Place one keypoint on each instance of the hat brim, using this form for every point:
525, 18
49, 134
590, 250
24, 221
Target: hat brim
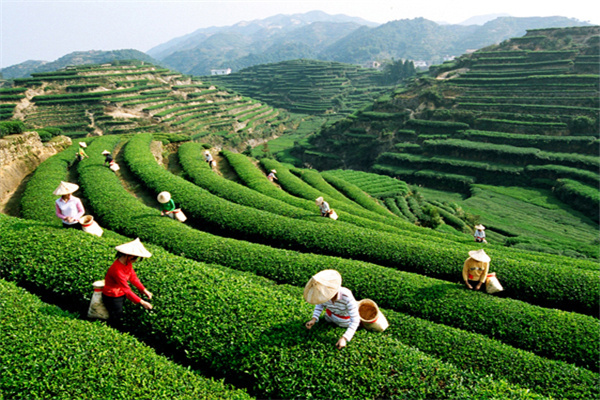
322, 287
134, 248
479, 255
65, 188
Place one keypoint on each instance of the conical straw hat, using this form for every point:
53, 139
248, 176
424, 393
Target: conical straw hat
479, 255
163, 197
65, 188
322, 286
134, 248
479, 227
273, 171
105, 152
319, 201
83, 144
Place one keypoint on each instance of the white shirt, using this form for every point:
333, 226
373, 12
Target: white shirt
345, 305
324, 207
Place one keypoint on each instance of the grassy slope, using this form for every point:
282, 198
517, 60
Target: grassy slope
533, 215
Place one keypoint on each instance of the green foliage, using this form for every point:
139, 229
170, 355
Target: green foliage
11, 128
260, 324
48, 353
580, 196
307, 86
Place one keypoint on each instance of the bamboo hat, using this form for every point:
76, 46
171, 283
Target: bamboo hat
82, 144
134, 248
319, 201
479, 227
65, 188
105, 152
479, 255
163, 197
273, 171
322, 286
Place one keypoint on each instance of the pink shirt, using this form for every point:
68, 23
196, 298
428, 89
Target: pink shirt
70, 208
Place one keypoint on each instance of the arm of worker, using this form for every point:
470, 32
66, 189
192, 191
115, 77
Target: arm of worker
465, 274
80, 209
315, 318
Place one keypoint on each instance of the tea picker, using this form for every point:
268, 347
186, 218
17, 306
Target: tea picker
479, 234
476, 272
68, 207
209, 159
325, 210
116, 282
476, 268
167, 207
108, 159
81, 154
325, 291
272, 176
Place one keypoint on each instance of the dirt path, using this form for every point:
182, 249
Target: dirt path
130, 182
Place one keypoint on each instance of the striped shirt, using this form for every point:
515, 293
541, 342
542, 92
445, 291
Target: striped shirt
345, 305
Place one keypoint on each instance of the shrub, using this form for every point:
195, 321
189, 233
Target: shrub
49, 353
249, 325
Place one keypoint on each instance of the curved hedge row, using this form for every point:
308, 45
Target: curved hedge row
355, 193
297, 187
199, 172
503, 319
581, 197
536, 283
251, 330
37, 195
49, 353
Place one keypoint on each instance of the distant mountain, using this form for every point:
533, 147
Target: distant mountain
421, 39
482, 19
24, 69
258, 30
21, 70
339, 38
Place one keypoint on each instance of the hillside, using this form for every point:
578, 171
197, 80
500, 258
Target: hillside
343, 40
126, 97
307, 86
25, 69
524, 112
506, 132
239, 264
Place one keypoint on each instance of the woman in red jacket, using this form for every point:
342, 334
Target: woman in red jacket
116, 283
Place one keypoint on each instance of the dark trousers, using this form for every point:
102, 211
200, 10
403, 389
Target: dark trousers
475, 283
114, 305
76, 225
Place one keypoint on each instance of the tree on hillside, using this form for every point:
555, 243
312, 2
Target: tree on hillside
398, 70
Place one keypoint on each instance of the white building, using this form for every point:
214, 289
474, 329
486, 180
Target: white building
220, 71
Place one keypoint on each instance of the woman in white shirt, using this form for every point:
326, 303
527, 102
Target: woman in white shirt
323, 206
68, 207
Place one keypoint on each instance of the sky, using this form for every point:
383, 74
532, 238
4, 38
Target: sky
49, 29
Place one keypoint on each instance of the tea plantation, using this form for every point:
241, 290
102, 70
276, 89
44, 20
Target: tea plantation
228, 317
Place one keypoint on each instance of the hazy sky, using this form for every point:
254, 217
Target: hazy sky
48, 29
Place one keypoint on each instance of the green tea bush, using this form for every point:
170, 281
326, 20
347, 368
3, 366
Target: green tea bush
250, 329
49, 353
503, 319
11, 128
37, 201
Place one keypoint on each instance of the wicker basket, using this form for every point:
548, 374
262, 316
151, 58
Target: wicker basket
371, 317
